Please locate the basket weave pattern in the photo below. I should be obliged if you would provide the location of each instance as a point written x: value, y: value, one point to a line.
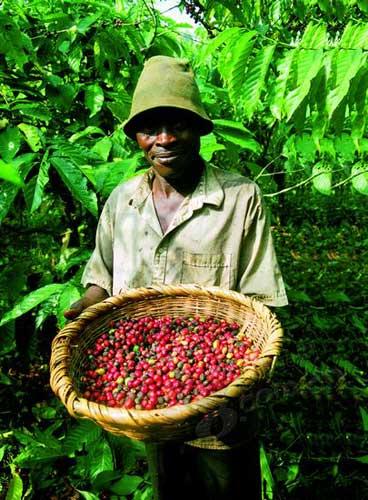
x: 176, y: 422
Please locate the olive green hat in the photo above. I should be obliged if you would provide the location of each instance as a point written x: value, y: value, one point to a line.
x: 167, y: 82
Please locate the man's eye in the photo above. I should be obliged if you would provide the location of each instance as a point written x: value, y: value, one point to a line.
x: 148, y: 131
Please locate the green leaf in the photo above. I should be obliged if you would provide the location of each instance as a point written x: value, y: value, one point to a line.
x: 4, y: 380
x: 33, y: 136
x: 37, y: 111
x: 94, y: 99
x: 103, y: 148
x: 88, y: 495
x: 10, y: 173
x: 87, y: 22
x: 354, y: 36
x: 267, y: 479
x: 359, y: 181
x: 42, y: 180
x: 9, y: 143
x: 7, y: 336
x: 15, y: 489
x: 336, y: 296
x: 68, y: 296
x: 346, y: 65
x: 307, y: 64
x: 87, y: 131
x: 109, y: 175
x: 30, y: 301
x: 306, y: 364
x: 242, y: 50
x: 278, y: 91
x: 209, y: 145
x: 84, y: 432
x: 364, y: 415
x: 76, y: 182
x: 216, y: 42
x: 105, y: 478
x: 75, y: 58
x: 237, y: 134
x: 2, y: 452
x: 363, y: 459
x: 322, y: 178
x: 100, y: 457
x: 255, y: 78
x: 9, y: 192
x: 314, y: 37
x: 126, y: 485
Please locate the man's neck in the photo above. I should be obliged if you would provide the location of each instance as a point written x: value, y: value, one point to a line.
x: 166, y: 187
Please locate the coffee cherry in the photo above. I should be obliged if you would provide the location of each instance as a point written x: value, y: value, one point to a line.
x: 149, y: 363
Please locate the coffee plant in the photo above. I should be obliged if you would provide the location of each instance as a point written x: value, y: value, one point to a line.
x: 285, y: 82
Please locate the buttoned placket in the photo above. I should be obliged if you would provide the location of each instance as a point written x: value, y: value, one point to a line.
x: 145, y: 204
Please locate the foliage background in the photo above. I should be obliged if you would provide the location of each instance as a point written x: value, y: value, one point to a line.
x: 286, y: 85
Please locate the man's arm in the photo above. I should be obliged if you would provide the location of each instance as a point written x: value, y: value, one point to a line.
x: 92, y: 295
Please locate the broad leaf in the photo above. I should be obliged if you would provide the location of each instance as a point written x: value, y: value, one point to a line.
x: 87, y: 495
x: 9, y: 143
x: 15, y: 489
x: 346, y: 63
x: 86, y: 132
x: 9, y: 192
x: 32, y: 135
x: 103, y: 148
x: 209, y: 145
x: 94, y: 99
x: 42, y: 180
x: 314, y: 37
x: 364, y: 415
x: 100, y: 457
x: 223, y: 37
x: 279, y: 88
x: 355, y: 36
x: 307, y: 65
x: 242, y: 50
x: 255, y: 79
x: 68, y: 296
x: 322, y: 178
x: 236, y: 133
x: 76, y: 182
x: 359, y: 181
x: 84, y: 432
x: 10, y: 173
x: 30, y: 301
x: 126, y: 485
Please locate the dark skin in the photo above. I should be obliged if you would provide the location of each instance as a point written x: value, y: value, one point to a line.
x: 170, y: 140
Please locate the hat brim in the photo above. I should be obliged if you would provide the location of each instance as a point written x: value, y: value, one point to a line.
x: 203, y: 125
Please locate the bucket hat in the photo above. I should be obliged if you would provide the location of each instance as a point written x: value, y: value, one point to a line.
x: 167, y: 82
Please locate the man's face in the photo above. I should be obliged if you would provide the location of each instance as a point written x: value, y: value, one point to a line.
x: 170, y: 140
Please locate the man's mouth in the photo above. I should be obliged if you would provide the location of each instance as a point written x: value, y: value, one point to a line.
x: 165, y: 157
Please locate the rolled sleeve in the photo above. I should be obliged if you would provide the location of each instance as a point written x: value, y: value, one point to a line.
x: 259, y: 272
x: 99, y: 268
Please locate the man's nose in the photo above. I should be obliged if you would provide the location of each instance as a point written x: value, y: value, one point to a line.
x: 166, y: 135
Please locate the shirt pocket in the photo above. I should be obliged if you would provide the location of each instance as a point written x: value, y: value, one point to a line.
x: 206, y: 269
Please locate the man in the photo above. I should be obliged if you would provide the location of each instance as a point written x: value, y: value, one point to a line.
x: 185, y: 222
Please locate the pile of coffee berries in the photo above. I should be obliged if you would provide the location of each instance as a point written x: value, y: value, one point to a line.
x: 152, y: 363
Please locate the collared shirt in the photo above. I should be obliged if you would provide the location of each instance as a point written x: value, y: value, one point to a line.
x: 220, y: 236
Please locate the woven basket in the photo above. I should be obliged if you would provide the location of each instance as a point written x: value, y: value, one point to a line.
x: 176, y: 422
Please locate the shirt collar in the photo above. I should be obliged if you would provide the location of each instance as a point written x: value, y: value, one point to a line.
x: 208, y: 190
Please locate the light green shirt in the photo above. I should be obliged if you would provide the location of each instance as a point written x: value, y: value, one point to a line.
x: 219, y: 236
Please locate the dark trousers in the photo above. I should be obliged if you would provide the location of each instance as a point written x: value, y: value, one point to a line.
x: 179, y: 471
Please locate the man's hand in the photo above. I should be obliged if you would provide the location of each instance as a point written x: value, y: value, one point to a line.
x: 92, y: 295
